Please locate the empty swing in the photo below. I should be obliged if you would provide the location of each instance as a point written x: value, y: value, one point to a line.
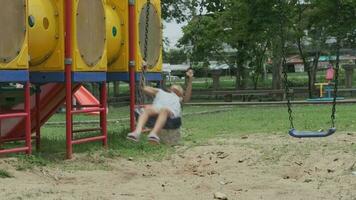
x: 311, y: 134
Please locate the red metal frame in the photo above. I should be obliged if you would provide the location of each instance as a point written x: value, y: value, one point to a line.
x: 27, y: 115
x: 68, y: 75
x: 132, y: 65
x: 69, y: 94
x: 38, y: 118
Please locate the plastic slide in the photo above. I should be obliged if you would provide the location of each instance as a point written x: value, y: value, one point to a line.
x: 52, y: 97
x: 84, y: 97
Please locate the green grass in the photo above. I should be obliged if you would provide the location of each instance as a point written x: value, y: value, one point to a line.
x: 197, y: 130
x: 5, y: 174
x: 267, y: 120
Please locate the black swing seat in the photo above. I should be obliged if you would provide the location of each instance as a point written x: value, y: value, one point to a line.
x: 311, y: 134
x: 171, y: 124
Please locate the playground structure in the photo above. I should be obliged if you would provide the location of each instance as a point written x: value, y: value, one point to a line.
x: 56, y: 45
x: 326, y: 88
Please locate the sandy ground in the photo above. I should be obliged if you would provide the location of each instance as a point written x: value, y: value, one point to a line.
x: 252, y: 167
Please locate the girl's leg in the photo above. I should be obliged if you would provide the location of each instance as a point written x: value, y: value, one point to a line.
x: 161, y: 121
x: 142, y: 120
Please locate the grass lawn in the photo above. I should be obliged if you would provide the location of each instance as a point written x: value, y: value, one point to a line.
x: 197, y: 130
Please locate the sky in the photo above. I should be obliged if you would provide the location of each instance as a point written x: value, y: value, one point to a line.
x: 173, y: 32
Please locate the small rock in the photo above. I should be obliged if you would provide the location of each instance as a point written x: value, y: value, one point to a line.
x: 244, y: 137
x: 56, y: 178
x: 225, y: 183
x: 299, y: 163
x: 241, y: 161
x: 221, y: 196
x: 286, y: 177
x: 222, y: 156
x: 331, y: 170
x: 182, y: 156
x: 130, y: 158
x: 212, y: 172
x: 308, y: 180
x: 354, y: 173
x: 336, y: 159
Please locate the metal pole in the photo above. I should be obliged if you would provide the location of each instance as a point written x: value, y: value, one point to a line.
x: 103, y: 114
x: 68, y: 75
x: 38, y: 118
x: 132, y: 64
x: 28, y: 117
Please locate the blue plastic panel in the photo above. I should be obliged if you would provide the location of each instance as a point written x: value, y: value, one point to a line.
x: 59, y: 77
x: 47, y: 77
x: 122, y: 76
x: 7, y: 76
x: 80, y: 77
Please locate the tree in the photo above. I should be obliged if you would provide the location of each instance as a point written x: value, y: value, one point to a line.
x: 175, y: 56
x: 315, y: 22
x: 262, y: 29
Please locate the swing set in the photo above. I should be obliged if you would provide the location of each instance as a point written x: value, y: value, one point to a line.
x: 310, y: 134
x: 176, y: 123
x: 140, y: 102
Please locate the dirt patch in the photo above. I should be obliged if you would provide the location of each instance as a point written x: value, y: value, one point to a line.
x: 251, y: 167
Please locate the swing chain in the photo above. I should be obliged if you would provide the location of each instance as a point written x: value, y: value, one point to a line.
x: 140, y: 94
x: 148, y: 9
x: 285, y: 73
x: 288, y: 95
x: 337, y: 69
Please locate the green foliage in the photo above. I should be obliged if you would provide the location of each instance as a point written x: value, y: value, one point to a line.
x: 259, y: 29
x: 27, y: 162
x: 175, y: 56
x: 5, y: 174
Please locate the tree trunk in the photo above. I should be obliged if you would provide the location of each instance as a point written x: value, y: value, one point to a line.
x: 255, y: 81
x: 116, y: 88
x: 240, y: 83
x: 277, y: 70
x: 216, y: 79
x: 314, y: 70
x: 277, y: 67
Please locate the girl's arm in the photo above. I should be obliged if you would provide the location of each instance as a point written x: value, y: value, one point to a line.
x: 151, y: 91
x: 188, y: 89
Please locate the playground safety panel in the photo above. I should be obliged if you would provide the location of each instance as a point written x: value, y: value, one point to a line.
x: 154, y: 45
x: 34, y: 35
x: 13, y: 35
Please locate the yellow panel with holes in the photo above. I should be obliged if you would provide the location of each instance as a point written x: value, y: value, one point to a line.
x: 154, y: 36
x: 117, y: 35
x: 13, y: 35
x: 46, y: 38
x: 89, y: 36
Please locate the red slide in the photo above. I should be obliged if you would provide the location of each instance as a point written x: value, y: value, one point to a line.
x: 52, y: 97
x: 85, y: 98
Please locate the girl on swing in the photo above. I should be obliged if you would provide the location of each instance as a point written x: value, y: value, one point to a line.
x: 166, y: 105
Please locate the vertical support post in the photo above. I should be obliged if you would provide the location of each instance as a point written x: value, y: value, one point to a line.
x: 38, y: 118
x: 132, y: 64
x: 68, y: 75
x: 28, y: 117
x: 103, y: 114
